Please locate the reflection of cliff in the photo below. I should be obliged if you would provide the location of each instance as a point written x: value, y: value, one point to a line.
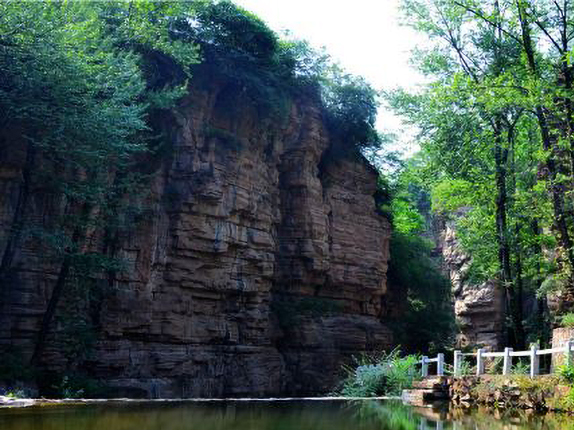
x: 479, y: 308
x: 248, y: 223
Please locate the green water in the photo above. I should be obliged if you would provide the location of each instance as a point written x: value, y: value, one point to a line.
x: 288, y: 415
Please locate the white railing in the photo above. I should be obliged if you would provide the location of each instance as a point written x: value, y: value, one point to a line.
x: 534, y: 353
x: 425, y: 361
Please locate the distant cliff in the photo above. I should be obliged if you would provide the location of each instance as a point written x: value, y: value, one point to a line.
x: 479, y: 308
x: 258, y: 265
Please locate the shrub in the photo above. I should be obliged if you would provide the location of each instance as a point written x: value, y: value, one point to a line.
x: 520, y: 368
x: 516, y: 391
x: 568, y: 320
x: 75, y: 385
x: 465, y: 369
x: 566, y: 372
x: 495, y: 366
x: 387, y: 375
x: 567, y: 402
x: 253, y: 61
x: 15, y: 393
x: 351, y: 110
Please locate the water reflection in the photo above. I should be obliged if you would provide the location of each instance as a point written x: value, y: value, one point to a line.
x: 292, y: 415
x: 441, y: 417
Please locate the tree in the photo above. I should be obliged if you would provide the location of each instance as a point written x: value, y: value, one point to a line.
x: 470, y: 128
x: 75, y: 93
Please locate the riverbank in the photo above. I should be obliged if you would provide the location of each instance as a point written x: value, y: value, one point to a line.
x: 541, y: 394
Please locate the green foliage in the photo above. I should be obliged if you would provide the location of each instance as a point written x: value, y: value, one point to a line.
x: 568, y: 320
x: 240, y: 48
x: 494, y: 366
x: 550, y: 285
x: 76, y: 95
x: 68, y: 390
x: 450, y: 195
x: 520, y: 368
x: 76, y: 386
x: 351, y: 109
x: 501, y: 390
x: 383, y: 197
x: 406, y: 218
x: 259, y: 67
x: 566, y: 372
x: 15, y: 394
x: 566, y: 402
x: 428, y: 322
x: 492, y: 119
x: 62, y: 65
x: 386, y: 375
x: 465, y: 368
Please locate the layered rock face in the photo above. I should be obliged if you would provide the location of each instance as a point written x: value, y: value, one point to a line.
x: 479, y: 308
x: 259, y: 267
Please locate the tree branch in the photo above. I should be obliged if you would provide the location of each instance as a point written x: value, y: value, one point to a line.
x: 558, y: 7
x: 541, y: 27
x: 453, y: 42
x: 488, y: 21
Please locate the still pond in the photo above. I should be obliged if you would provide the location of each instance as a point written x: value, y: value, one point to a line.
x: 281, y: 415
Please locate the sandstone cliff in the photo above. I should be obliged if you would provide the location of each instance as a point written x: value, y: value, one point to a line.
x: 258, y: 267
x: 478, y: 308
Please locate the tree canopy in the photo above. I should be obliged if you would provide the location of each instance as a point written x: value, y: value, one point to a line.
x: 496, y: 130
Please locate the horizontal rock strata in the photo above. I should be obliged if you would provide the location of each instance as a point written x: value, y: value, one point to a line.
x: 258, y: 266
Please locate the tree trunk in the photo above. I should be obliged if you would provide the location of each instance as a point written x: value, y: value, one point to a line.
x: 542, y: 305
x: 556, y: 190
x: 515, y: 332
x: 519, y: 294
x: 18, y: 220
x: 51, y: 310
x: 77, y: 239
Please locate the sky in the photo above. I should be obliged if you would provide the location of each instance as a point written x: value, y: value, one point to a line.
x: 364, y: 36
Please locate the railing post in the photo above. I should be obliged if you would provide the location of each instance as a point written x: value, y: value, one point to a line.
x: 457, y: 363
x: 534, y: 361
x: 440, y: 364
x: 479, y: 362
x: 425, y: 367
x: 568, y: 352
x: 507, y: 364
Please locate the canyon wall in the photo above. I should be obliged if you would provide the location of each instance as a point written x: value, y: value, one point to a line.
x: 258, y: 267
x: 478, y: 308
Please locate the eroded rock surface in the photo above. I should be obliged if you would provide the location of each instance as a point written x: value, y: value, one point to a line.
x: 479, y: 308
x: 258, y: 267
